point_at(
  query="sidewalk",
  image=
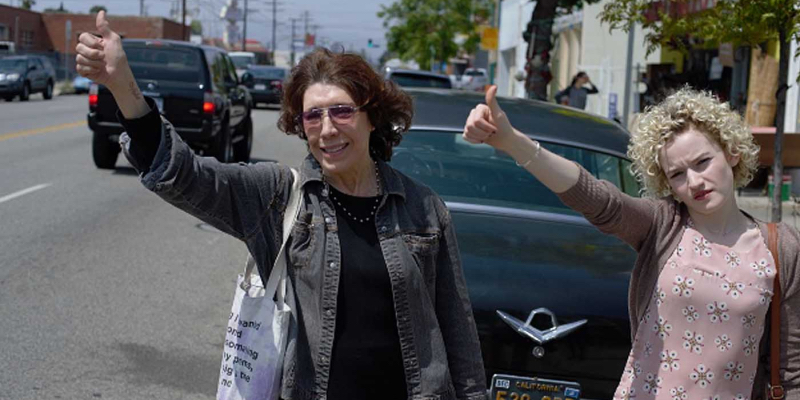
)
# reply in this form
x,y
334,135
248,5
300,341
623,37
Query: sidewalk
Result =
x,y
759,207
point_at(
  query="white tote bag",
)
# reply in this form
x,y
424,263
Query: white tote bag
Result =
x,y
252,357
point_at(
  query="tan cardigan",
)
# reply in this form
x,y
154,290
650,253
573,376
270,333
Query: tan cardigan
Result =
x,y
654,227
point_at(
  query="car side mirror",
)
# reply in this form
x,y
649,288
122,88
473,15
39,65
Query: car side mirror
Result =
x,y
247,79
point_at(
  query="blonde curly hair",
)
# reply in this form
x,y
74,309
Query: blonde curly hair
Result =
x,y
680,111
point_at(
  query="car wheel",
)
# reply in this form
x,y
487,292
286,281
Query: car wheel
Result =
x,y
26,92
222,149
243,148
104,151
48,91
9,98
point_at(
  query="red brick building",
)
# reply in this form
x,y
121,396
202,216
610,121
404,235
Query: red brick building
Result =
x,y
44,33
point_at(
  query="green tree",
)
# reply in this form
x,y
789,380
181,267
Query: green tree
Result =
x,y
741,22
97,8
539,35
28,4
197,27
425,30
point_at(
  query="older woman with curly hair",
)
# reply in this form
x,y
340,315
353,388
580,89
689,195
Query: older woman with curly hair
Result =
x,y
703,280
379,303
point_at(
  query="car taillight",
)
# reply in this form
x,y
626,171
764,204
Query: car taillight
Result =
x,y
93,95
277,85
208,104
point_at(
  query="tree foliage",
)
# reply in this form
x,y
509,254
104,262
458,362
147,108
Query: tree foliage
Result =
x,y
741,22
197,27
28,4
422,30
96,9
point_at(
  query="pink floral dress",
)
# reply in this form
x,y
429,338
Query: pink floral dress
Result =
x,y
699,337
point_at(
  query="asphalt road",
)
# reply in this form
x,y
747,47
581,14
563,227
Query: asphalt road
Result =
x,y
106,291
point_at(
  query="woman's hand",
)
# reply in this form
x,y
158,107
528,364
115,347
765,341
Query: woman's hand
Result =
x,y
103,60
487,123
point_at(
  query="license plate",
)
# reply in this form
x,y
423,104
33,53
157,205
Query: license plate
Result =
x,y
159,103
260,87
510,387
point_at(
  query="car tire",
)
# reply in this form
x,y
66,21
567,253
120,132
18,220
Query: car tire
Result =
x,y
104,151
222,149
48,91
9,98
243,148
26,92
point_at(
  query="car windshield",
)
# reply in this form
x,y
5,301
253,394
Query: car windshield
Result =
x,y
242,62
419,80
268,73
164,63
12,65
478,174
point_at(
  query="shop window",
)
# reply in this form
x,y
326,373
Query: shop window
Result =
x,y
3,32
27,38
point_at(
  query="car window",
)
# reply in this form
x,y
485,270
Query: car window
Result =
x,y
419,80
164,63
474,73
38,63
12,65
478,174
268,73
230,69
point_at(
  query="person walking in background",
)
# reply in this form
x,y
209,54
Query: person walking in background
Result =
x,y
380,308
704,277
577,91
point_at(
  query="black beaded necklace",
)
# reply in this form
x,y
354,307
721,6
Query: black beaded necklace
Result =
x,y
374,206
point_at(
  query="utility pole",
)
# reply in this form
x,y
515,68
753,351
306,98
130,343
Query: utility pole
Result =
x,y
274,24
291,43
141,8
305,27
244,30
183,21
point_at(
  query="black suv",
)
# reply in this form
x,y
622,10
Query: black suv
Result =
x,y
23,75
195,86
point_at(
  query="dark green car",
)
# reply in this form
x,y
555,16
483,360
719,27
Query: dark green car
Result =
x,y
524,251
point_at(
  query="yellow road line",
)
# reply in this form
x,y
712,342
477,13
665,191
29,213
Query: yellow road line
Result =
x,y
53,128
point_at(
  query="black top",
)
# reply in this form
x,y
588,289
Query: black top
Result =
x,y
367,362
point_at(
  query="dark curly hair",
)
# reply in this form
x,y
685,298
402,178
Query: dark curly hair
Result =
x,y
388,107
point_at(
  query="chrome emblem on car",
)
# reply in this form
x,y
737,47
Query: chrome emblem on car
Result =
x,y
151,86
541,337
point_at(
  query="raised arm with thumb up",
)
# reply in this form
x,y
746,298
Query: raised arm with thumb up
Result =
x,y
102,59
487,123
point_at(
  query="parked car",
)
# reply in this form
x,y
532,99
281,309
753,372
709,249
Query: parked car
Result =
x,y
195,86
81,84
474,79
526,256
416,78
242,60
24,75
265,83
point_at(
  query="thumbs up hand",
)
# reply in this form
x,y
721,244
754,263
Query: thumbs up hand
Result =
x,y
102,58
487,123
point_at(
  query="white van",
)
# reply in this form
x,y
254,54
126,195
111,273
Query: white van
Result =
x,y
6,48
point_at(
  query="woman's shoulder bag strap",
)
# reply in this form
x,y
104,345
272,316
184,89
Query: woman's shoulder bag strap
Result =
x,y
775,389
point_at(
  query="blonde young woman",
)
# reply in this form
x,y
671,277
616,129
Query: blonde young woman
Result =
x,y
703,279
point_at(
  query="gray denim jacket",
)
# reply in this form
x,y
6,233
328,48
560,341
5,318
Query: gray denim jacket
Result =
x,y
438,338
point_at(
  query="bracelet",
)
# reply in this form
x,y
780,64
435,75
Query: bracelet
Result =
x,y
535,154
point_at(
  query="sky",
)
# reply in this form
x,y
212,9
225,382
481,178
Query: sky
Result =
x,y
349,22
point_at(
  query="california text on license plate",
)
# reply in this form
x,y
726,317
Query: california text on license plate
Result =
x,y
510,387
